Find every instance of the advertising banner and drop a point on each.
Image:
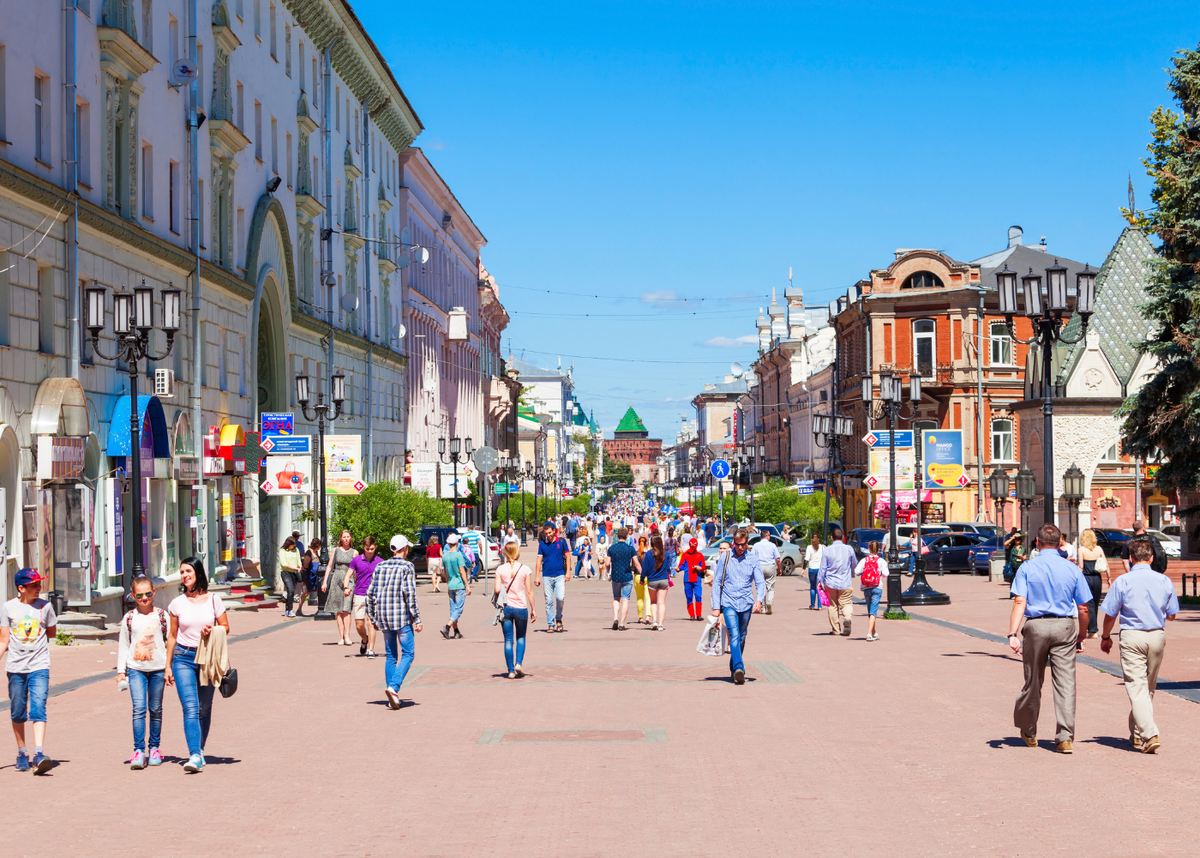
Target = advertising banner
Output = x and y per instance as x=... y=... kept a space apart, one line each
x=288 y=475
x=277 y=423
x=423 y=477
x=942 y=459
x=881 y=473
x=287 y=445
x=465 y=472
x=343 y=465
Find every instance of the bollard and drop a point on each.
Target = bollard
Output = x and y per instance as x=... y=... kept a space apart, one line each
x=941 y=564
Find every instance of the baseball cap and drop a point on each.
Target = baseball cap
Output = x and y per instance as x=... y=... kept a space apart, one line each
x=452 y=539
x=399 y=542
x=27 y=576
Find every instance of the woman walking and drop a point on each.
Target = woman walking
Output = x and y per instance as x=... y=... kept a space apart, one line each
x=142 y=663
x=193 y=615
x=289 y=571
x=358 y=576
x=602 y=555
x=657 y=567
x=433 y=553
x=583 y=551
x=1092 y=561
x=812 y=559
x=312 y=569
x=639 y=584
x=515 y=581
x=872 y=571
x=337 y=600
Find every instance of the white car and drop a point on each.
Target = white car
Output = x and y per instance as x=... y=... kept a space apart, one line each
x=1170 y=544
x=494 y=554
x=789 y=552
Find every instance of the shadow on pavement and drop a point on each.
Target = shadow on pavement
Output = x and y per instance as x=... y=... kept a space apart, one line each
x=1007 y=742
x=1110 y=742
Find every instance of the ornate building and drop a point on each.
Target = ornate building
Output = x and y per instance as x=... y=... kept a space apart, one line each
x=631 y=443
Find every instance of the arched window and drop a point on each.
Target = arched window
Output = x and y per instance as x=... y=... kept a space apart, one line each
x=922 y=280
x=924 y=347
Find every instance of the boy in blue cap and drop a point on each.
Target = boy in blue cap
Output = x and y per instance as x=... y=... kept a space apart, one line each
x=26 y=625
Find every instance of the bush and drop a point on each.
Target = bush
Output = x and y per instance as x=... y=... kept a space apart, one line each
x=385 y=509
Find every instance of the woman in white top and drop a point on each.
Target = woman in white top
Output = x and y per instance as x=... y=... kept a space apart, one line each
x=515 y=580
x=812 y=559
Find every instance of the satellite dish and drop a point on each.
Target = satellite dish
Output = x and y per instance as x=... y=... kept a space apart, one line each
x=349 y=302
x=737 y=370
x=183 y=72
x=406 y=235
x=329 y=279
x=401 y=331
x=420 y=255
x=402 y=260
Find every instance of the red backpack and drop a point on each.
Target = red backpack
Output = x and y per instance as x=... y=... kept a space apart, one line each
x=870 y=573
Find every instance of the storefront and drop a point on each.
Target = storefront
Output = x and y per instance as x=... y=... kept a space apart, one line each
x=157 y=501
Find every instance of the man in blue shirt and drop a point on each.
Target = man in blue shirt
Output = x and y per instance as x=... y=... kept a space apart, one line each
x=737 y=591
x=836 y=576
x=1143 y=600
x=1051 y=595
x=554 y=566
x=620 y=556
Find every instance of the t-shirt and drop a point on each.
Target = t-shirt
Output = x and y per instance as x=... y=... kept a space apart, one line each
x=364 y=570
x=193 y=617
x=453 y=563
x=433 y=551
x=516 y=593
x=812 y=556
x=552 y=557
x=289 y=559
x=620 y=555
x=767 y=553
x=28 y=646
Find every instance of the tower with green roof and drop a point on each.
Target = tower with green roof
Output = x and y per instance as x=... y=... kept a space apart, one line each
x=631 y=427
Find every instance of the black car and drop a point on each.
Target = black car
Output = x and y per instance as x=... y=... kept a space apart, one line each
x=1110 y=540
x=980 y=556
x=860 y=537
x=950 y=552
x=417 y=554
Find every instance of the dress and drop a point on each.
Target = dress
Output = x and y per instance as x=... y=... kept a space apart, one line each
x=336 y=601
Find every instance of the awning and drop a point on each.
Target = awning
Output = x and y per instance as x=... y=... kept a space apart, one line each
x=60 y=408
x=905 y=499
x=232 y=436
x=149 y=410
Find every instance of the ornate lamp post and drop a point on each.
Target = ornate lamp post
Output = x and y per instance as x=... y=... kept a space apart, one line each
x=458 y=453
x=998 y=487
x=1026 y=492
x=827 y=432
x=1045 y=310
x=528 y=475
x=1073 y=481
x=321 y=413
x=132 y=323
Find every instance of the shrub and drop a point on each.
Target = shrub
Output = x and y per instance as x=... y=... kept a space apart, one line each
x=385 y=509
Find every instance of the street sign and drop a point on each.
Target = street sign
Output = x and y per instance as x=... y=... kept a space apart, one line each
x=288 y=445
x=880 y=438
x=486 y=459
x=278 y=423
x=720 y=469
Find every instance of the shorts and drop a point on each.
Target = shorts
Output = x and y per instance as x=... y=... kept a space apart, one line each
x=359 y=608
x=27 y=693
x=661 y=584
x=873 y=595
x=622 y=589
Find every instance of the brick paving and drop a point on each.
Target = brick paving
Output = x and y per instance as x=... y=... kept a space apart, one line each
x=627 y=743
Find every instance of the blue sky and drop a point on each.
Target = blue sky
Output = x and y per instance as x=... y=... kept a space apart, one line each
x=646 y=173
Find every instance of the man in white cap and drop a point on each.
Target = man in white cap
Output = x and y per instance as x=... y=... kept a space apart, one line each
x=392 y=606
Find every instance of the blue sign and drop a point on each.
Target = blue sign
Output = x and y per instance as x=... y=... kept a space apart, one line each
x=278 y=423
x=943 y=455
x=720 y=469
x=904 y=437
x=287 y=445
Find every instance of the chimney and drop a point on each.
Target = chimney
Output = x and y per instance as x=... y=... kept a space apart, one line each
x=1014 y=235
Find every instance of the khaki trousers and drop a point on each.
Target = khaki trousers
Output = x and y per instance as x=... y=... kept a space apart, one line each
x=1048 y=639
x=840 y=606
x=1141 y=657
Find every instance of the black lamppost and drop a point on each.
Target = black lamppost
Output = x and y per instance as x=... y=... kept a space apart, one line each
x=1045 y=311
x=1026 y=492
x=998 y=486
x=458 y=453
x=507 y=465
x=528 y=475
x=132 y=322
x=827 y=432
x=1073 y=481
x=321 y=413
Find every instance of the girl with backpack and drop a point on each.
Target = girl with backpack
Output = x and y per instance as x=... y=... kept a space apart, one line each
x=142 y=665
x=872 y=572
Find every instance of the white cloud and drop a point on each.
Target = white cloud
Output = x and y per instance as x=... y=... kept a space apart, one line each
x=662 y=298
x=731 y=343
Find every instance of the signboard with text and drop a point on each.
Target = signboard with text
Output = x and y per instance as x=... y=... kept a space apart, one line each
x=942 y=459
x=343 y=465
x=288 y=475
x=880 y=474
x=278 y=423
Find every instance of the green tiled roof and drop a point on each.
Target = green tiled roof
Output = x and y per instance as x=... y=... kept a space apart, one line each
x=631 y=422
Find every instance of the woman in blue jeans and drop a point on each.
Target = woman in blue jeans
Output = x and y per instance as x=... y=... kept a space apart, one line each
x=193 y=615
x=812 y=559
x=514 y=580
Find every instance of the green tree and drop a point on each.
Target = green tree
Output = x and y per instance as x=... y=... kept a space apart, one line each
x=617 y=472
x=385 y=509
x=1164 y=415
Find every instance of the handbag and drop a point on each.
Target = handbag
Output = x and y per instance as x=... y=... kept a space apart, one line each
x=229 y=683
x=1101 y=563
x=499 y=603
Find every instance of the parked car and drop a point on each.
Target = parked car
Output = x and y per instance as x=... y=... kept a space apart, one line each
x=494 y=554
x=791 y=557
x=860 y=537
x=1171 y=546
x=1174 y=531
x=417 y=555
x=948 y=552
x=1110 y=540
x=986 y=529
x=979 y=557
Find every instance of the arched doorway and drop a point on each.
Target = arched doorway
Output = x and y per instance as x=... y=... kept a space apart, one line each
x=271 y=391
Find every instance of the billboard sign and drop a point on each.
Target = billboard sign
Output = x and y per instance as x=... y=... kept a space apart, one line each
x=942 y=459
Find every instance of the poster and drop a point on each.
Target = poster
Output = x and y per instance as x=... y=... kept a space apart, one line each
x=423 y=477
x=343 y=465
x=288 y=475
x=466 y=472
x=880 y=470
x=942 y=459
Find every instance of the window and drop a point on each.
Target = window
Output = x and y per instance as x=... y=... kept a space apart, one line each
x=337 y=108
x=271 y=24
x=357 y=129
x=258 y=129
x=1002 y=349
x=300 y=49
x=922 y=280
x=241 y=107
x=288 y=158
x=147 y=181
x=1002 y=441
x=239 y=9
x=923 y=347
x=172 y=41
x=222 y=362
x=287 y=49
x=274 y=146
x=41 y=118
x=1112 y=454
x=3 y=98
x=83 y=120
x=46 y=314
x=241 y=229
x=148 y=25
x=258 y=19
x=5 y=298
x=173 y=196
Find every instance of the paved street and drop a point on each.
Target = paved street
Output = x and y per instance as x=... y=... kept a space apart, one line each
x=633 y=741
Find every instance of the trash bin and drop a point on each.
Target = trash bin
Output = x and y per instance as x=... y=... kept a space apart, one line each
x=996 y=566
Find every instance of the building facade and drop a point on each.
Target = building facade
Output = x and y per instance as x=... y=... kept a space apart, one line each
x=631 y=443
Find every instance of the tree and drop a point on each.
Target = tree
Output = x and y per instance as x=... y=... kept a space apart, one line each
x=1164 y=415
x=385 y=509
x=591 y=453
x=617 y=472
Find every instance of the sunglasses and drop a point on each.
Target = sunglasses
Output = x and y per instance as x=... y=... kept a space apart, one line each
x=742 y=544
x=143 y=596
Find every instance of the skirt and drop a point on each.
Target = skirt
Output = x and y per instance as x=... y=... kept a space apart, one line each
x=336 y=601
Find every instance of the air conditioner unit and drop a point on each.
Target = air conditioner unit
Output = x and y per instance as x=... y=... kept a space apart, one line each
x=164 y=383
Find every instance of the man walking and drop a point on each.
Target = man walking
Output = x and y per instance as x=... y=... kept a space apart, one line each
x=572 y=530
x=837 y=571
x=1052 y=596
x=620 y=555
x=392 y=606
x=736 y=593
x=771 y=562
x=1143 y=600
x=1159 y=563
x=553 y=565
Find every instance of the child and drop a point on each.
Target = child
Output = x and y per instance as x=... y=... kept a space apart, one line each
x=692 y=562
x=26 y=625
x=142 y=658
x=872 y=572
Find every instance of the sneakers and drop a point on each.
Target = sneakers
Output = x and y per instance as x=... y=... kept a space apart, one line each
x=767 y=608
x=614 y=625
x=511 y=675
x=137 y=761
x=1149 y=746
x=445 y=630
x=458 y=634
x=194 y=764
x=42 y=764
x=362 y=648
x=156 y=759
x=371 y=653
x=393 y=698
x=1031 y=741
x=22 y=761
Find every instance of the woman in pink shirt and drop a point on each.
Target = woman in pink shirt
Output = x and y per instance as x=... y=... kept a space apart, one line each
x=515 y=581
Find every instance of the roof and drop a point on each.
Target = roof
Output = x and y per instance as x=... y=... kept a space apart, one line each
x=530 y=370
x=631 y=422
x=1021 y=258
x=1120 y=292
x=741 y=385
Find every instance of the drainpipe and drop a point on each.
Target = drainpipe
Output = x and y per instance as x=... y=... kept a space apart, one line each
x=980 y=509
x=197 y=394
x=369 y=464
x=327 y=232
x=71 y=183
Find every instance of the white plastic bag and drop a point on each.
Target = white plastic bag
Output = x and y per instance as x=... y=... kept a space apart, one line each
x=710 y=641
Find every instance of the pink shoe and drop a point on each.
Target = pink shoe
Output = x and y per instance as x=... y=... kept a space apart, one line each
x=156 y=759
x=137 y=761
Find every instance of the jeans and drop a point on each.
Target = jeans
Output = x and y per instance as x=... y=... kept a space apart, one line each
x=693 y=591
x=27 y=695
x=398 y=647
x=146 y=692
x=738 y=624
x=515 y=623
x=873 y=595
x=291 y=581
x=814 y=600
x=477 y=568
x=458 y=601
x=555 y=589
x=1093 y=582
x=195 y=699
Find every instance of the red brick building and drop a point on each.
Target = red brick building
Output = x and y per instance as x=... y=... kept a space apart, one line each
x=631 y=443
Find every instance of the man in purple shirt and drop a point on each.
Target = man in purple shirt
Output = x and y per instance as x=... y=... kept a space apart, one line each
x=362 y=567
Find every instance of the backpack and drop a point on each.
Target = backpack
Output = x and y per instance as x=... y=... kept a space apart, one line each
x=870 y=573
x=162 y=623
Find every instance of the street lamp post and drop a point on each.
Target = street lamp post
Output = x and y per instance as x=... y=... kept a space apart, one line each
x=1073 y=481
x=321 y=414
x=827 y=432
x=527 y=475
x=1045 y=311
x=1026 y=492
x=458 y=453
x=998 y=487
x=132 y=323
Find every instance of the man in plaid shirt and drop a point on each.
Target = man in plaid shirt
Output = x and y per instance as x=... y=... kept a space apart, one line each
x=392 y=607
